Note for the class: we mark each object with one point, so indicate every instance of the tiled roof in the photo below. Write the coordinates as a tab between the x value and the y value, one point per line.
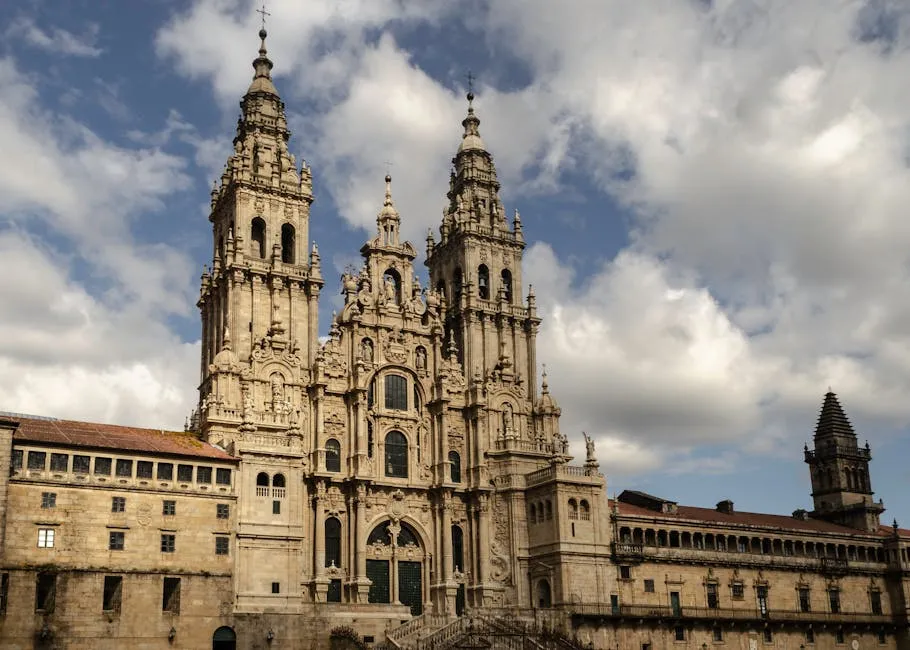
781	522
832	420
109	436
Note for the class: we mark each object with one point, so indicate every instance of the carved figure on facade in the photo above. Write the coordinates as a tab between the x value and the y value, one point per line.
366	350
394	347
589	448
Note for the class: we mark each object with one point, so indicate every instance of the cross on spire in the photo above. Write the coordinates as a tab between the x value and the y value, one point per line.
263	13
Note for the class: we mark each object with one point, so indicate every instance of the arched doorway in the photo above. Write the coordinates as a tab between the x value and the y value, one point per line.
395	566
224	639
544	599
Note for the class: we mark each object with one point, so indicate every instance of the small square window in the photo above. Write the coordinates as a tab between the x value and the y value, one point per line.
48	499
168	543
169	508
185	473
221	545
116	540
82	464
37	460
144	469
223	511
276	507
680	633
223	476
739	591
60	462
103	466
118	504
718	635
165	471
625	573
124	468
113	588
46	537
768	635
276	587
649	586
204	474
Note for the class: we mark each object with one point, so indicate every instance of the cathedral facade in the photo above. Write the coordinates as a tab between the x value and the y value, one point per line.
406	478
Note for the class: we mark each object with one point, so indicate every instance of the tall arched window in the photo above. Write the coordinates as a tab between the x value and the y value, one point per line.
456	286
262	479
533	514
257	238
506	277
278	481
288	243
543	594
396	393
573	509
332	455
454	467
333	542
549	509
585	510
396	455
457	549
483	282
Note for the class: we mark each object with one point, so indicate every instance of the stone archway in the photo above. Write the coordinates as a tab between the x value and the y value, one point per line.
395	565
224	638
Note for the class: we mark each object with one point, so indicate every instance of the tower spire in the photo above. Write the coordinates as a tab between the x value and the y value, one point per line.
262	67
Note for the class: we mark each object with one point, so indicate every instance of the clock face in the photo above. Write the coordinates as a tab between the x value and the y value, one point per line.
854	644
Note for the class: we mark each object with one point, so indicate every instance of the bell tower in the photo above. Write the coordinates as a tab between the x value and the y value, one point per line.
259	300
839	469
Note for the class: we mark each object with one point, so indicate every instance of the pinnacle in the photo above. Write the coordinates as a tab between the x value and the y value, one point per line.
832	421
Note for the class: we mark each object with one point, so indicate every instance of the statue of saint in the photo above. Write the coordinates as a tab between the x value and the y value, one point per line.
589	446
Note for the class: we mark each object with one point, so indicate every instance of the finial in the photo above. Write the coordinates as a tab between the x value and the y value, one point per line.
470	77
226	342
894	526
543	384
263	13
388	189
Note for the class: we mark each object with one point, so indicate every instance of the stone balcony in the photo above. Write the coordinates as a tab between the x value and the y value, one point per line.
718	614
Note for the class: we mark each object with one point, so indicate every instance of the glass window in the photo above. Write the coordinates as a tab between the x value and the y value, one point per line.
222	545
396	393
60	462
165	471
204	474
48	499
81	464
457	549
118	504
333	542
223	476
276	507
46	538
713	601
332	455
17	459
168	543
103	466
649	586
169	508
804	603
276	587
396	455
454	467
116	540
124	468
185	473
143	469
761	593
739	591
876	600
223	511
37	460
834	600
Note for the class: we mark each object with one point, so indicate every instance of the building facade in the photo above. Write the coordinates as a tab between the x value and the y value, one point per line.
406	477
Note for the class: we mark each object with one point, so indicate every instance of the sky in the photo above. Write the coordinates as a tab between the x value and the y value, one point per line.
713	193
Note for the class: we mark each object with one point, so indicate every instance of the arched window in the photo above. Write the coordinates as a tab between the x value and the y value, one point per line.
456	286
257	238
573	509
288	243
585	510
224	638
262	479
332	455
549	509
278	481
396	393
544	598
392	286
457	549
221	247
396	455
407	536
532	516
333	542
483	282
506	277
454	467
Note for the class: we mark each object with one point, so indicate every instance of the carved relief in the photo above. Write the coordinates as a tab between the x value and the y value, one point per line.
499	549
394	347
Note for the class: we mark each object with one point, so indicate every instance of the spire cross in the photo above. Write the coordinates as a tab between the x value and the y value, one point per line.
471	78
262	12
388	167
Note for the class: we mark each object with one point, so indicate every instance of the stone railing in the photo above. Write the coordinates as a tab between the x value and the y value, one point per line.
561	471
621	549
731	555
514	444
722	614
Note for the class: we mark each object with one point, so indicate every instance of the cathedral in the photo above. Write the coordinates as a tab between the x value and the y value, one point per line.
404	482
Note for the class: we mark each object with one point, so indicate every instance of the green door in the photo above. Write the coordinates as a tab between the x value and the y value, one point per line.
378	573
410	586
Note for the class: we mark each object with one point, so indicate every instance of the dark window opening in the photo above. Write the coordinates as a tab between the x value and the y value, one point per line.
185	473
396	393
223	511
834	600
805	604
45	592
17	460
876	600
113	586
124	468
223	476
276	507
649	586
332	455
222	544
718	635
810	635
288	243
456	287
48	499
738	590
762	594
170	596
165	471
396	455
333	542
370	442
103	466
37	460
257	238
116	540
454	467
168	543
507	285
143	468
262	479
278	481
457	549
4	592
276	587
768	635
713	601
680	633
483	282
839	636
59	462
334	593
169	508
118	504
204	474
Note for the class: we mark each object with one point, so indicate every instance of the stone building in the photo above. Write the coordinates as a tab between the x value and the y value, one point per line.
407	477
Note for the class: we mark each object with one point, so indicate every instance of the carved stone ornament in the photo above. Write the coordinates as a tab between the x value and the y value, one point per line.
394	347
499	553
334	365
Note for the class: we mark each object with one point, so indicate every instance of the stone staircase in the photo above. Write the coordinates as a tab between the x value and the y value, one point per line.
512	630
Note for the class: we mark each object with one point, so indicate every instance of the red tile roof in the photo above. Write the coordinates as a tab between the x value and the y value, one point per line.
711	515
71	433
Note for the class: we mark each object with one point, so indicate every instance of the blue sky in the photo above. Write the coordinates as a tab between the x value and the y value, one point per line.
713	195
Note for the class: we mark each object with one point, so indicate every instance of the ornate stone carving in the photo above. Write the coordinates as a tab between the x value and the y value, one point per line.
394	347
499	549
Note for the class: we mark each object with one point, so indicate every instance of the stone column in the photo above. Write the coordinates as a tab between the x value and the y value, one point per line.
362	584
483	526
321	583
446	534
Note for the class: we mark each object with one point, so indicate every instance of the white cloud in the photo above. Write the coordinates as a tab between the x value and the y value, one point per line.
55	39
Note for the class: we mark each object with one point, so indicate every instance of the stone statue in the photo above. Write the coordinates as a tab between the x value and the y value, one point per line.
389	290
507	418
421	358
277	392
366	350
589	445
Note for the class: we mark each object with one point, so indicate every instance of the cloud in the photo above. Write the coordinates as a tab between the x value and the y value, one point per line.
55	39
